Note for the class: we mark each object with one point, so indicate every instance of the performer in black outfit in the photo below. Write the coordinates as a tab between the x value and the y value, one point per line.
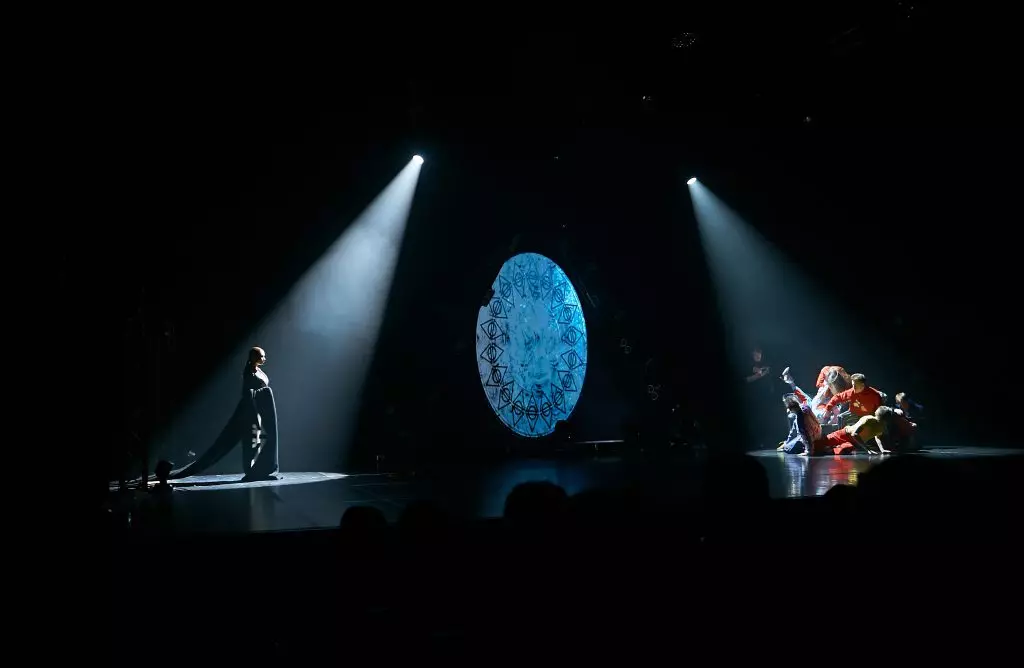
254	422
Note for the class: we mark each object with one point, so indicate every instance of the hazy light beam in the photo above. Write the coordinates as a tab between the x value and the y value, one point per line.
319	340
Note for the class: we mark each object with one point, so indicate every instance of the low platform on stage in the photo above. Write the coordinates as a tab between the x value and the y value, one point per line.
229	481
317	500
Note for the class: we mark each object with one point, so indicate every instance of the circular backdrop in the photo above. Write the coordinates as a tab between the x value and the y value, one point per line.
531	345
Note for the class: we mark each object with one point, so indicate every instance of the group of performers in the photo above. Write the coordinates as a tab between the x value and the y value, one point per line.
846	415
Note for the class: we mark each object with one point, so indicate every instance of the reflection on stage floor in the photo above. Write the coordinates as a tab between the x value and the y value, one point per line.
317	500
793	476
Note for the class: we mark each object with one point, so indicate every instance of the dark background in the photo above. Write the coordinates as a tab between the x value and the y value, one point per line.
883	137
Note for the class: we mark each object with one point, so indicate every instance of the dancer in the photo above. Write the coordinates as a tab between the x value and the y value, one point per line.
832	380
254	423
762	399
908	408
900	432
804	428
863	400
834	376
760	367
866	430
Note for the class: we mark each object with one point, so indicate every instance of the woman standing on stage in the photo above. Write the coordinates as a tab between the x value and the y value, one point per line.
254	422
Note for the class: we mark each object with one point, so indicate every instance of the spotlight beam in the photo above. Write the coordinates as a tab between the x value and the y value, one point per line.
320	340
765	298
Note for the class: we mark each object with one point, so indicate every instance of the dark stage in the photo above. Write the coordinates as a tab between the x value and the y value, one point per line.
315	500
411	271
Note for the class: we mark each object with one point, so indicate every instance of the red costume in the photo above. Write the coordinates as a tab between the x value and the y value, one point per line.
837	442
862	403
826	370
825	391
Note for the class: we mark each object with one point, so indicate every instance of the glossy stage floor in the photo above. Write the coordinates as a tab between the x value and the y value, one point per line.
221	503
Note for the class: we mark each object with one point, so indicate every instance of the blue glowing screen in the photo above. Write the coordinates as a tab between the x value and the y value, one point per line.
531	345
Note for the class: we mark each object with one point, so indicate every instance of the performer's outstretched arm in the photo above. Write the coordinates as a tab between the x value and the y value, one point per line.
840	398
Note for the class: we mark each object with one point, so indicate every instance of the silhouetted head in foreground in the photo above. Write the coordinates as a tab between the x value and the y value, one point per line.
908	497
422	519
735	478
536	504
841	498
363	519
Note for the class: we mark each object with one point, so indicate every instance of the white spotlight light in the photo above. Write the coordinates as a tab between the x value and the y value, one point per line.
417	159
690	181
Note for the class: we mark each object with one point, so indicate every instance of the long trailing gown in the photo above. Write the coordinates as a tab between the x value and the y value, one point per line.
254	424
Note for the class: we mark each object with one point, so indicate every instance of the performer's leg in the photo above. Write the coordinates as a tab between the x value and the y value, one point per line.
787	378
251	433
262	460
801	396
840	442
792	445
817	404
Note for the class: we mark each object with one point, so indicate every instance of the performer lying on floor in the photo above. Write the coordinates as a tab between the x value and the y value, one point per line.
804	428
254	423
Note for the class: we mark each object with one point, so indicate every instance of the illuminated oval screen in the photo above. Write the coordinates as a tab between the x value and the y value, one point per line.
531	345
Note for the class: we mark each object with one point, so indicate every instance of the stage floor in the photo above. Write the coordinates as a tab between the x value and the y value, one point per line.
314	500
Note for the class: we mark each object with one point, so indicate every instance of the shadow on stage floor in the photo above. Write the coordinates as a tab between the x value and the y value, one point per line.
315	500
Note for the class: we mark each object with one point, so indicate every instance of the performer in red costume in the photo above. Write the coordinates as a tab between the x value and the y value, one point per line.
868	430
832	380
826	371
863	400
837	442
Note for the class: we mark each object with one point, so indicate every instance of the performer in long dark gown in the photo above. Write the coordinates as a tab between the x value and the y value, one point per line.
254	423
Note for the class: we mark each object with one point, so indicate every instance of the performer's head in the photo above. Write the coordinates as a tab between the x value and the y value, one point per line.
901	399
859	382
756	353
257	357
792	403
884	413
835	381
